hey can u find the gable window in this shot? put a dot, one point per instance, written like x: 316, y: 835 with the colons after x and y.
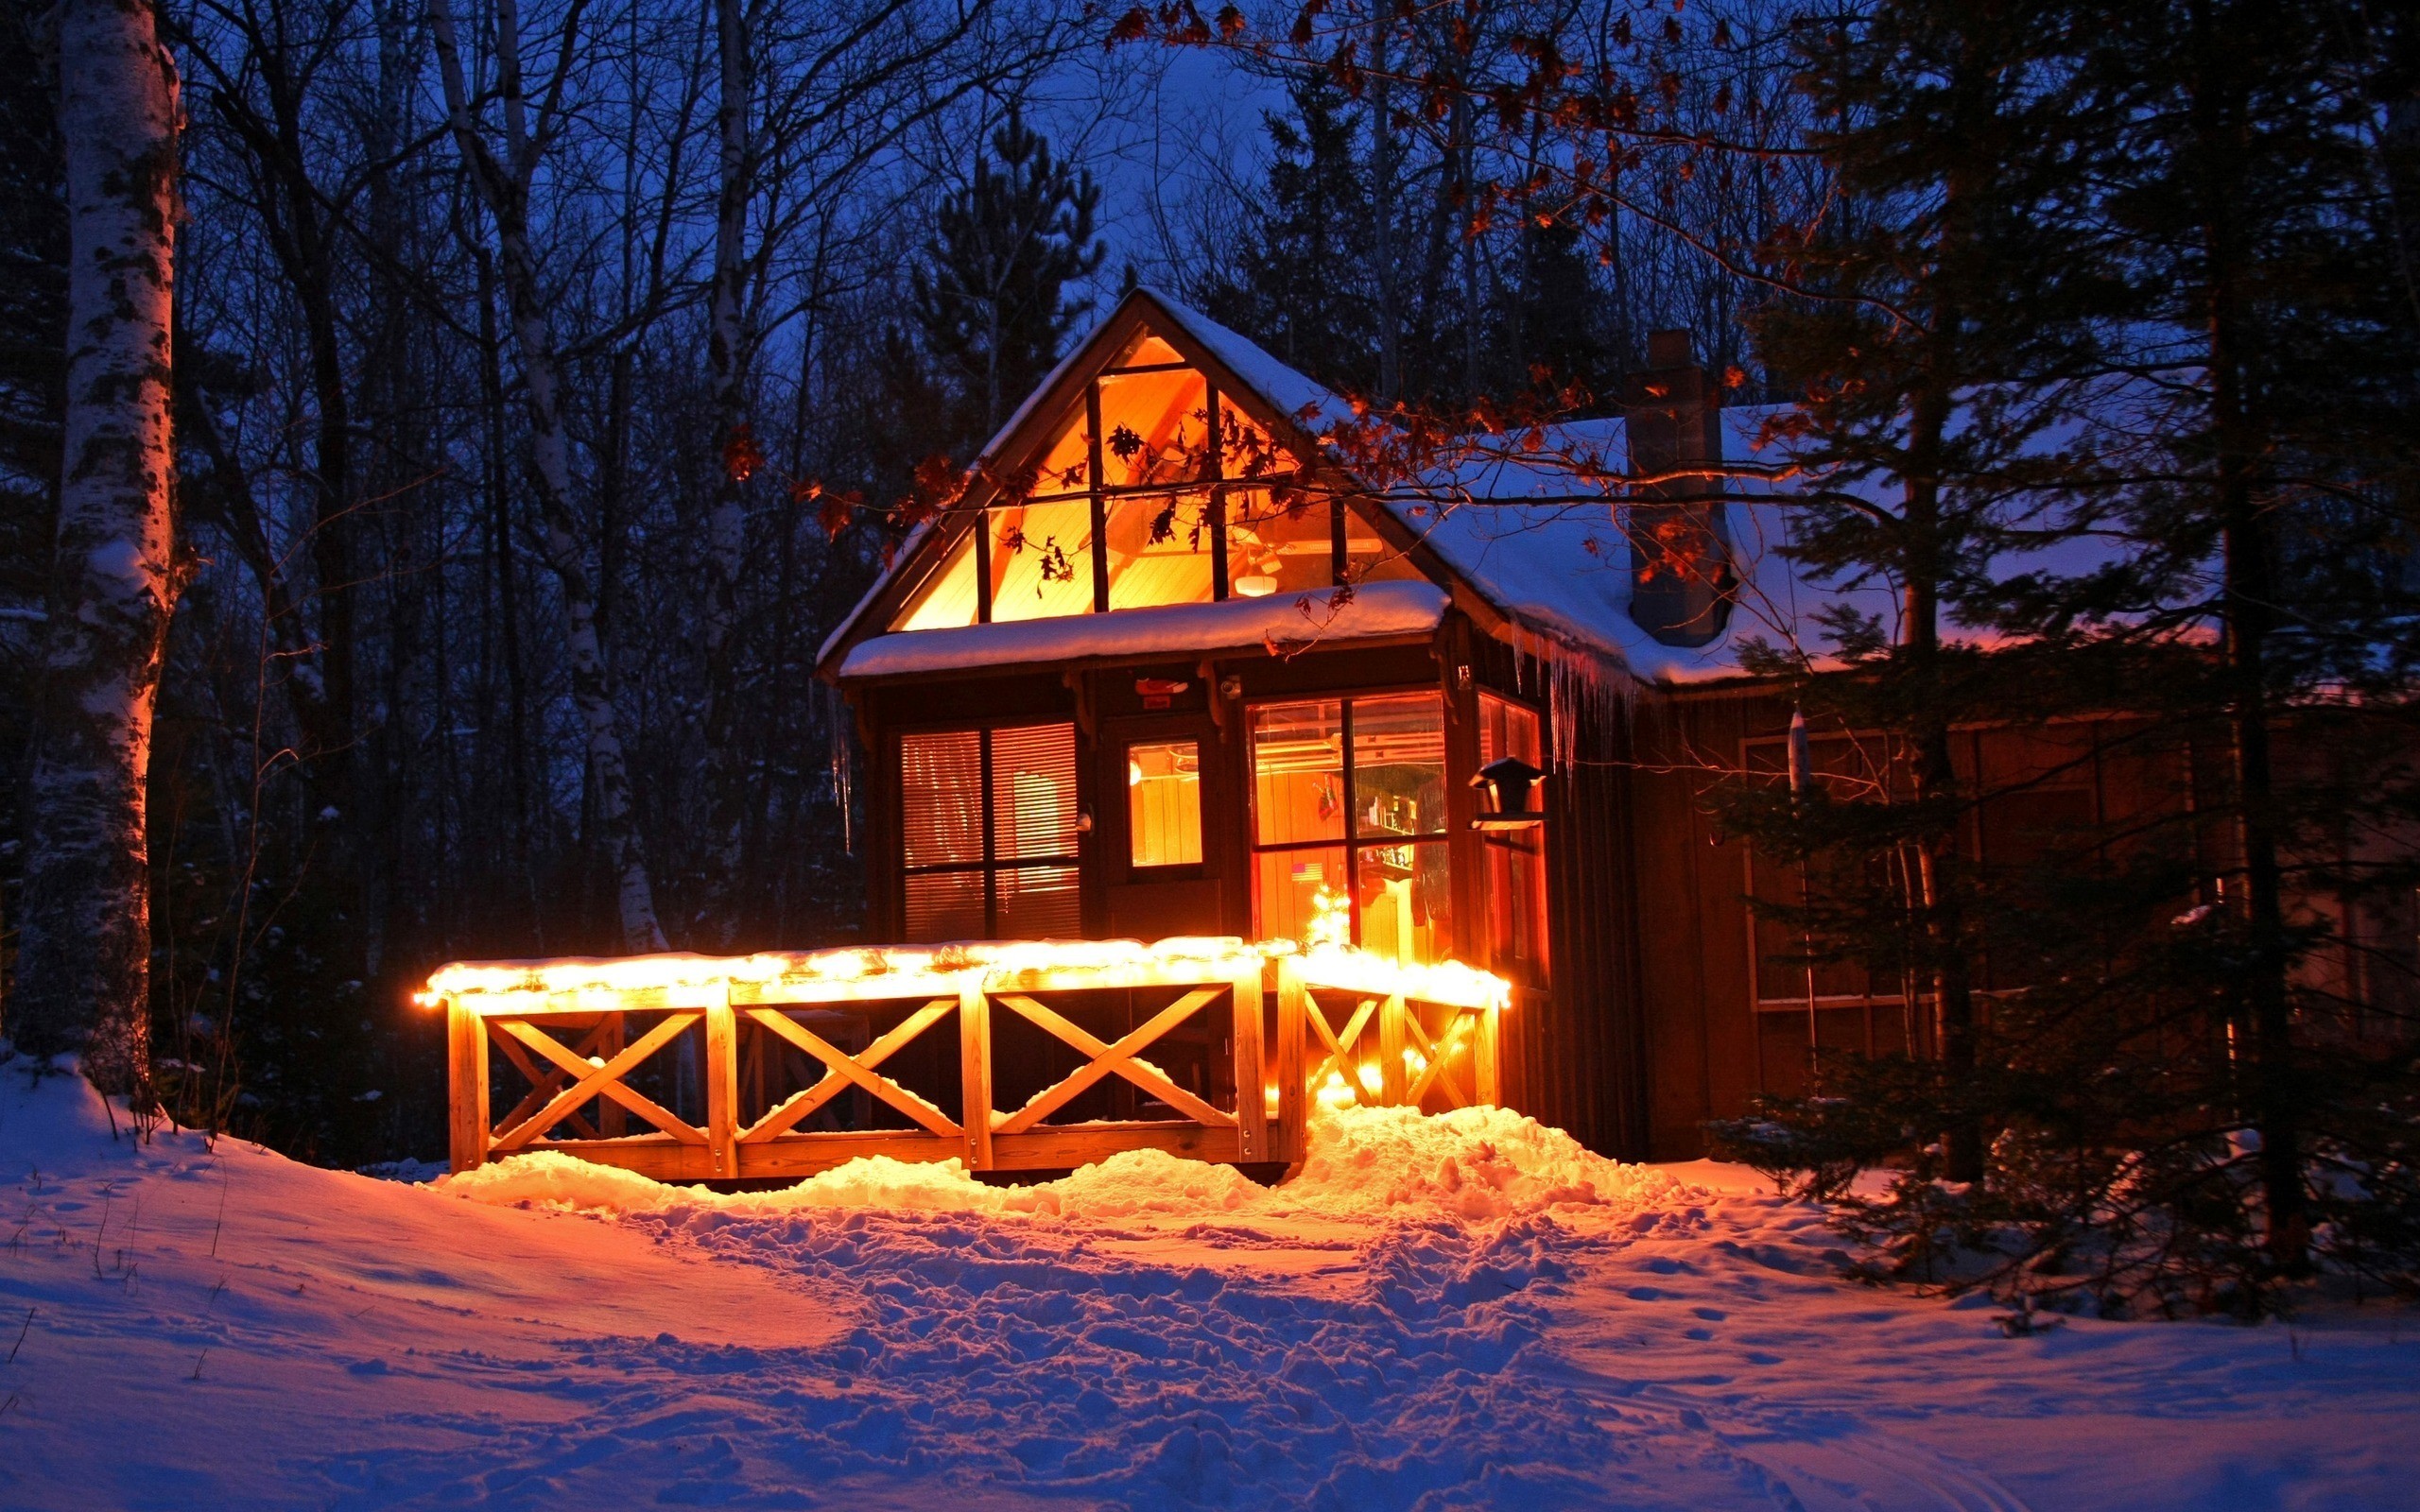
x: 987, y: 821
x: 1153, y: 491
x: 1349, y: 824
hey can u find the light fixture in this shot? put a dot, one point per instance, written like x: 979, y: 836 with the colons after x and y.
x: 1255, y: 585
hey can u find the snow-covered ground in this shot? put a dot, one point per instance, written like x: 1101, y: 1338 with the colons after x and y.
x: 1462, y: 1312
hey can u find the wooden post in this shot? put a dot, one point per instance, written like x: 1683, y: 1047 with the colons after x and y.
x: 466, y: 1046
x: 612, y: 1035
x: 1292, y: 1096
x: 1486, y: 1070
x: 723, y: 1083
x: 1252, y: 1074
x: 1394, y: 1081
x: 974, y: 1072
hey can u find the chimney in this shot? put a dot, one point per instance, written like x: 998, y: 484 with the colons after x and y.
x: 1680, y: 581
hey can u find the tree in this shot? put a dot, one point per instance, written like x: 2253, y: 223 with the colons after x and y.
x: 991, y: 298
x: 2269, y: 262
x: 1945, y: 305
x: 503, y: 183
x: 1298, y: 284
x: 83, y: 981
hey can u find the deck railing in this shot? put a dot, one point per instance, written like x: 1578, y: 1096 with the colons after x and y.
x: 694, y: 1068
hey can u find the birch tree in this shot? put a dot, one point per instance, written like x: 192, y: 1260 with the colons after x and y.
x: 83, y: 978
x: 501, y: 177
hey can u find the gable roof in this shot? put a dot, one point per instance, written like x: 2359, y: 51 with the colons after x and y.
x: 1553, y: 574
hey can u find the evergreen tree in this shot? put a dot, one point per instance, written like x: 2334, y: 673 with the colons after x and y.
x: 992, y: 298
x: 2271, y: 481
x: 1297, y: 283
x: 1947, y: 288
x: 2166, y: 1100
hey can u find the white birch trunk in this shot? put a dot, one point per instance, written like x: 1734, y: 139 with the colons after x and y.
x: 83, y: 971
x: 503, y: 186
x: 727, y: 523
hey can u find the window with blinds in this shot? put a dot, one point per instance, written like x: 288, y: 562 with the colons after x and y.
x: 989, y: 831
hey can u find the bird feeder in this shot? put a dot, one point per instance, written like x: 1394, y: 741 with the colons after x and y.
x: 1504, y: 787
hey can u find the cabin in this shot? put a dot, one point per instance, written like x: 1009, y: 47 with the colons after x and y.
x: 1220, y: 764
x: 1170, y: 669
x: 1178, y: 665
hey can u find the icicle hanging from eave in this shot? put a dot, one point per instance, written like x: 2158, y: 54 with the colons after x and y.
x: 836, y: 724
x: 1578, y: 682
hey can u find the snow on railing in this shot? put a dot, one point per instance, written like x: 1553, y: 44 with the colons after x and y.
x: 720, y: 1034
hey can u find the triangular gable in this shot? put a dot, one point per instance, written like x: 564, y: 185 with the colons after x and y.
x: 1281, y: 402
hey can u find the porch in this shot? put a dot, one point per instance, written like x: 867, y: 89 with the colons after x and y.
x: 1010, y: 1055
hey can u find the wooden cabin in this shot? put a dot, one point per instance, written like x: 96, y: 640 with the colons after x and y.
x: 1171, y: 671
x: 1116, y: 691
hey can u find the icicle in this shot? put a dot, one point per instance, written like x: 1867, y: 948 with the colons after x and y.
x: 835, y: 722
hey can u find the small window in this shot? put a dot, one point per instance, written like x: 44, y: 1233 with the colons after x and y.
x: 990, y: 845
x: 1164, y: 804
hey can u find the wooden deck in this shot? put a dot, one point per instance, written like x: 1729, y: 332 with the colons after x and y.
x: 691, y: 1068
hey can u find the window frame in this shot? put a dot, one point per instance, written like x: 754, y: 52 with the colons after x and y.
x: 1100, y: 496
x: 991, y: 866
x: 1350, y: 796
x: 1161, y: 730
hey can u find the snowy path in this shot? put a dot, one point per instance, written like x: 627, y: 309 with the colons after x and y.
x: 1433, y: 1316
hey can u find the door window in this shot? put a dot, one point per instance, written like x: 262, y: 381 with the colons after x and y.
x: 1164, y: 803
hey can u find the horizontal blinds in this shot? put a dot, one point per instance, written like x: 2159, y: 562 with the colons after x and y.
x: 1001, y: 869
x: 1034, y: 793
x: 941, y: 795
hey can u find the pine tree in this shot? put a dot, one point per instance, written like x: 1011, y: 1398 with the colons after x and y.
x: 1297, y: 283
x: 2173, y: 1103
x: 1949, y: 280
x: 2268, y: 271
x: 992, y: 298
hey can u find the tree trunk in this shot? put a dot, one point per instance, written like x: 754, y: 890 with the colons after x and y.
x: 503, y: 186
x: 727, y: 351
x: 1941, y: 880
x: 83, y: 972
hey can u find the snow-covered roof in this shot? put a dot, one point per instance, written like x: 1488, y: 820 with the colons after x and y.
x: 1557, y: 568
x: 1375, y: 611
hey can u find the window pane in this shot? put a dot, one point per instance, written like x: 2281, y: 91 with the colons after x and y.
x: 1147, y: 351
x: 1033, y: 792
x: 1516, y: 906
x: 1292, y: 889
x: 1369, y: 558
x: 1506, y: 728
x: 1041, y: 561
x: 940, y: 799
x: 1154, y: 428
x: 1164, y: 804
x: 1407, y: 901
x: 1039, y: 903
x: 944, y: 905
x: 1159, y: 550
x: 947, y: 598
x: 1298, y: 772
x: 1399, y: 766
x: 1277, y: 547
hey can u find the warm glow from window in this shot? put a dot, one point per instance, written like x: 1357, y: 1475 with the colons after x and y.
x: 947, y: 598
x: 1349, y: 798
x: 1041, y: 561
x: 1164, y: 804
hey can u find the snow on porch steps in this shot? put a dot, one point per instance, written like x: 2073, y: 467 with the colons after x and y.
x: 1375, y: 611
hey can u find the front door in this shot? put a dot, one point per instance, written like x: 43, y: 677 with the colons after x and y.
x: 1162, y: 795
